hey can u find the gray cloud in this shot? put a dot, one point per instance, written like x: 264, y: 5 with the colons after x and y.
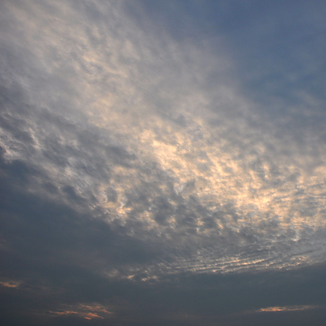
x: 142, y: 142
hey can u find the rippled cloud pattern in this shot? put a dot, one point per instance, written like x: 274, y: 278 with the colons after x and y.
x: 143, y: 141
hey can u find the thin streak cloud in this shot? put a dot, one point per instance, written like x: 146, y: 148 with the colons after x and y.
x: 285, y: 309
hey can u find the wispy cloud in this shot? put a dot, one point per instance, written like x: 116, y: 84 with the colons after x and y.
x: 287, y: 308
x: 10, y: 284
x: 84, y: 311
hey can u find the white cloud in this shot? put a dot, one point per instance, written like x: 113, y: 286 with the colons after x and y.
x: 133, y: 120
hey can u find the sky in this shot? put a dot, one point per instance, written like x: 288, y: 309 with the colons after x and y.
x: 162, y: 162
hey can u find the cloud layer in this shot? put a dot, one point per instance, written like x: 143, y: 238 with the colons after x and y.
x: 140, y: 141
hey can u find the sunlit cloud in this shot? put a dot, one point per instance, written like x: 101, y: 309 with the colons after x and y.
x: 162, y: 162
x: 287, y: 308
x: 10, y: 284
x: 84, y: 311
x: 127, y: 123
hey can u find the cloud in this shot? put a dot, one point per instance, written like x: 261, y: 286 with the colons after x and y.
x: 84, y: 311
x: 10, y: 284
x: 115, y: 119
x: 285, y: 309
x: 143, y: 144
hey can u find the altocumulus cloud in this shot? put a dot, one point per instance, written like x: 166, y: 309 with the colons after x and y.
x: 144, y: 142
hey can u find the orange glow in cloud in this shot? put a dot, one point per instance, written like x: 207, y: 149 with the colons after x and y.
x: 10, y: 284
x: 287, y: 308
x: 84, y: 311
